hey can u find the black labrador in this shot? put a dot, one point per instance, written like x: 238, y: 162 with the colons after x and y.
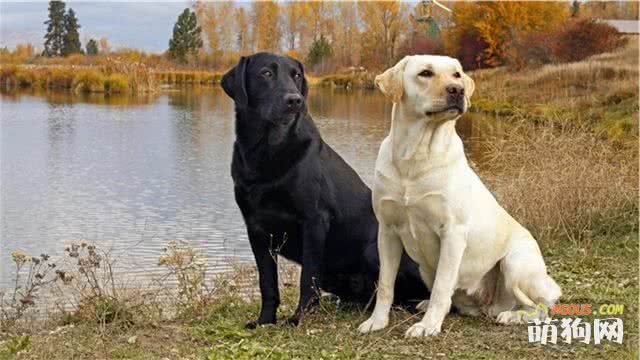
x: 298, y: 197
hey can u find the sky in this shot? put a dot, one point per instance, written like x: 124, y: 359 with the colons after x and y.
x: 141, y: 25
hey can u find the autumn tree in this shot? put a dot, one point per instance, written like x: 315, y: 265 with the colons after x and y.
x: 294, y: 15
x: 243, y: 35
x: 186, y: 36
x: 346, y: 34
x: 383, y: 22
x: 54, y: 38
x: 71, y: 41
x: 217, y: 22
x: 265, y: 19
x: 495, y: 26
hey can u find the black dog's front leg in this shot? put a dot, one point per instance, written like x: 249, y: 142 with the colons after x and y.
x: 268, y: 273
x: 314, y: 236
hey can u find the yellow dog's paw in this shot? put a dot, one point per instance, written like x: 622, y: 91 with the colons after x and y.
x: 372, y: 324
x: 420, y: 329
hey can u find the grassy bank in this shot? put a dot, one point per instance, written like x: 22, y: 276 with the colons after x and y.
x: 116, y: 78
x: 601, y: 274
x: 601, y: 92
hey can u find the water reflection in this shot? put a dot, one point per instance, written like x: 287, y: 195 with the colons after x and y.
x: 133, y: 172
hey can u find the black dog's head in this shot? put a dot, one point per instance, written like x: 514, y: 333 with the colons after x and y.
x: 271, y: 85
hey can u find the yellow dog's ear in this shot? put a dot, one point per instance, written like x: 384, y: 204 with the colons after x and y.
x: 469, y: 85
x: 390, y: 81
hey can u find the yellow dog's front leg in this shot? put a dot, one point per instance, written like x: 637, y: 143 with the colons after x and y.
x: 453, y: 244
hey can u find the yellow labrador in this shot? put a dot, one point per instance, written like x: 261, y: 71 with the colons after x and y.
x: 427, y: 199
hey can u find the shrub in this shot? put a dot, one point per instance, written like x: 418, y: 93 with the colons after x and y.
x: 25, y: 77
x: 116, y: 84
x: 26, y: 289
x: 580, y: 39
x: 8, y: 75
x: 189, y: 268
x: 88, y: 281
x: 569, y: 42
x: 88, y: 81
x: 469, y: 50
x: 60, y: 79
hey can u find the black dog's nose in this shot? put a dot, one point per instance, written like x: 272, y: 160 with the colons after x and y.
x: 293, y: 101
x: 455, y: 90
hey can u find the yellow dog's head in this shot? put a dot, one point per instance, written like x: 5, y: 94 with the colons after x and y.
x: 428, y: 85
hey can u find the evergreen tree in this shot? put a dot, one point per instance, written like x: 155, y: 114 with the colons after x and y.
x: 71, y: 43
x: 54, y: 38
x: 186, y: 36
x: 92, y: 47
x: 320, y: 50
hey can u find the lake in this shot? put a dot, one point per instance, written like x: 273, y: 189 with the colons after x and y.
x: 130, y: 174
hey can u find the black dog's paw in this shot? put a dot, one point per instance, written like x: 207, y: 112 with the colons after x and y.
x: 293, y: 320
x: 252, y: 324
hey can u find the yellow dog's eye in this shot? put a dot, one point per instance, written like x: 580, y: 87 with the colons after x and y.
x: 426, y: 73
x: 456, y: 74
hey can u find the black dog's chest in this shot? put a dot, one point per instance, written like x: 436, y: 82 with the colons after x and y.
x: 274, y: 213
x: 274, y: 210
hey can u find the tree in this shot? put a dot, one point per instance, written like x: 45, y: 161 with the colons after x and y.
x: 383, y: 23
x: 498, y: 25
x: 216, y: 20
x: 244, y: 36
x: 186, y: 36
x: 319, y: 53
x: 92, y: 47
x: 347, y: 34
x: 265, y: 17
x: 54, y: 38
x: 71, y: 41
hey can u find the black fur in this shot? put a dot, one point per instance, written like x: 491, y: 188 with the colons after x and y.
x: 298, y: 197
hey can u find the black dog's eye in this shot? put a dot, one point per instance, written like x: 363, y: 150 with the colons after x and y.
x: 267, y: 73
x: 456, y: 74
x: 297, y: 75
x: 426, y: 73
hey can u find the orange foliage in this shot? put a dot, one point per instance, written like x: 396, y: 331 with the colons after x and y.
x: 497, y: 25
x: 571, y: 41
x: 266, y: 19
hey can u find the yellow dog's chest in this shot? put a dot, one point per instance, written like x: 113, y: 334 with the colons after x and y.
x: 411, y: 212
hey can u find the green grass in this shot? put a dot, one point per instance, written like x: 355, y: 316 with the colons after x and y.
x: 605, y: 272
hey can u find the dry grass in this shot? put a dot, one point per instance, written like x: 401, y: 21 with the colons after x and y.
x: 216, y: 330
x: 112, y: 77
x: 187, y: 77
x: 564, y: 183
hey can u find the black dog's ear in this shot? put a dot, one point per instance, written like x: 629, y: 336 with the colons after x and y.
x: 305, y: 87
x: 233, y: 83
